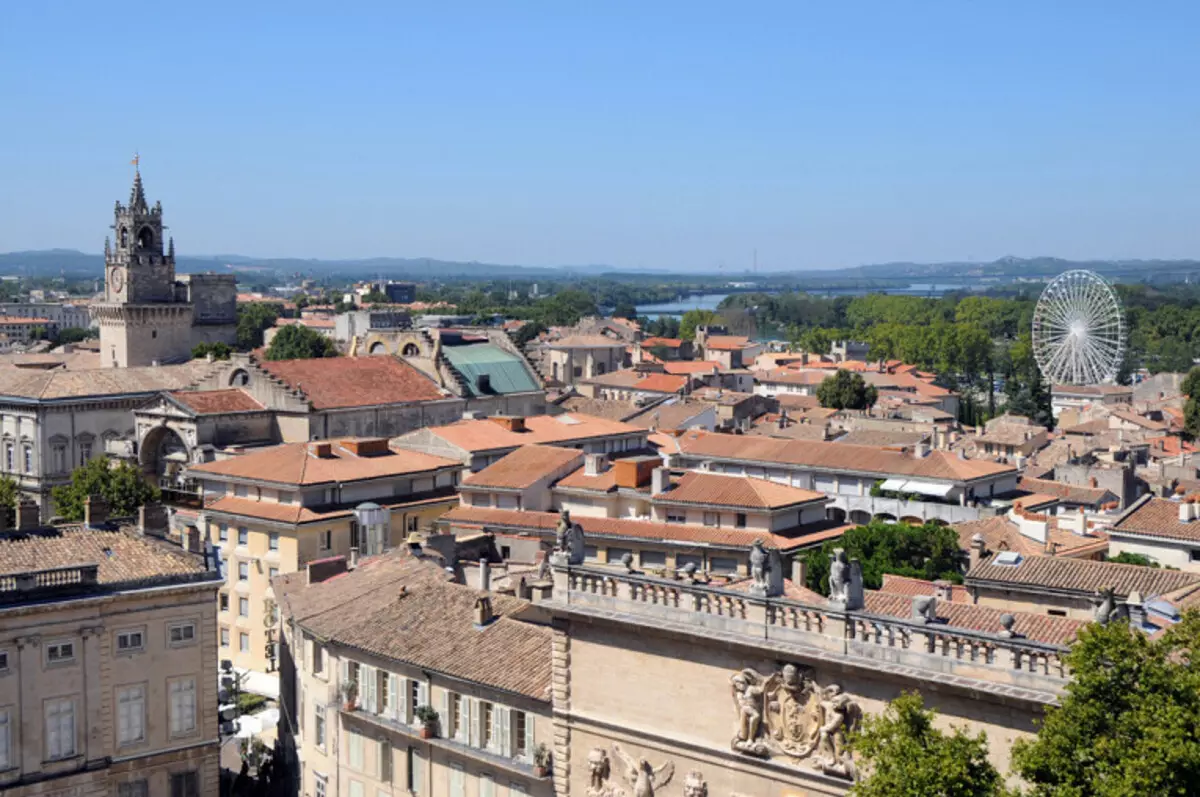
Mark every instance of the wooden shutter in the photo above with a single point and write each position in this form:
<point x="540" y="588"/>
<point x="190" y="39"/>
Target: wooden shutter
<point x="446" y="712"/>
<point x="395" y="710"/>
<point x="506" y="723"/>
<point x="529" y="735"/>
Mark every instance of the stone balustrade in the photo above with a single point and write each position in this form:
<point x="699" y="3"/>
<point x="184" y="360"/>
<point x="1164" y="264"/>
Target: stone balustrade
<point x="930" y="646"/>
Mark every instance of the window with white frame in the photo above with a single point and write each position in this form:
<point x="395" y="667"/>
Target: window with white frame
<point x="489" y="719"/>
<point x="458" y="781"/>
<point x="319" y="727"/>
<point x="222" y="533"/>
<point x="224" y="637"/>
<point x="134" y="788"/>
<point x="522" y="726"/>
<point x="383" y="761"/>
<point x="60" y="729"/>
<point x="179" y="634"/>
<point x="318" y="659"/>
<point x="416" y="772"/>
<point x="320" y="784"/>
<point x="244" y="642"/>
<point x="223" y="601"/>
<point x="354" y="750"/>
<point x="130" y="640"/>
<point x="5" y="740"/>
<point x="185" y="784"/>
<point x="183" y="706"/>
<point x="85" y="454"/>
<point x="28" y="452"/>
<point x="273" y="541"/>
<point x="131" y="714"/>
<point x="243" y="607"/>
<point x="243" y="571"/>
<point x="325" y="540"/>
<point x="61" y="652"/>
<point x="243" y="536"/>
<point x="356" y="789"/>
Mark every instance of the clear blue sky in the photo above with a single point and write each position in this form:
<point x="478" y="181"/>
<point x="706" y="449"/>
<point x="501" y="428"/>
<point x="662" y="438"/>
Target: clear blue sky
<point x="667" y="134"/>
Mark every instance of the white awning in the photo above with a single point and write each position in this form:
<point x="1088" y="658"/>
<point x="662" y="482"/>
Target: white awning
<point x="928" y="488"/>
<point x="895" y="485"/>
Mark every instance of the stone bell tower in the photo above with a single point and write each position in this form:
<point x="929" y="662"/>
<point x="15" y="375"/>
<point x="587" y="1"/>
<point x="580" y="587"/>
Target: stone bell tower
<point x="145" y="318"/>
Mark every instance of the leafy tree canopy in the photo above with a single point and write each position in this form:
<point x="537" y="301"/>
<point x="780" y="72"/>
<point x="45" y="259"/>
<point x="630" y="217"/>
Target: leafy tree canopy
<point x="903" y="755"/>
<point x="1128" y="722"/>
<point x="76" y="334"/>
<point x="697" y="318"/>
<point x="123" y="486"/>
<point x="846" y="391"/>
<point x="929" y="552"/>
<point x="298" y="342"/>
<point x="219" y="351"/>
<point x="253" y="319"/>
<point x="1127" y="558"/>
<point x="625" y="310"/>
<point x="528" y="331"/>
<point x="8" y="492"/>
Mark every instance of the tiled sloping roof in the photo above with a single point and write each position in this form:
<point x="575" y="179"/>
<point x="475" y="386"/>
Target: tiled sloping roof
<point x="1081" y="575"/>
<point x="670" y="343"/>
<point x="917" y="587"/>
<point x="1091" y="390"/>
<point x="636" y="380"/>
<point x="678" y="533"/>
<point x="1158" y="517"/>
<point x="586" y="342"/>
<point x="216" y="402"/>
<point x="579" y="480"/>
<point x="1067" y="492"/>
<point x="294" y="513"/>
<point x="840" y="457"/>
<point x="1094" y="426"/>
<point x="713" y="489"/>
<point x="670" y="415"/>
<point x="486" y="435"/>
<point x="524" y="467"/>
<point x="882" y="437"/>
<point x="1037" y="627"/>
<point x="123" y="555"/>
<point x="402" y="608"/>
<point x="727" y="342"/>
<point x="1001" y="534"/>
<point x="1138" y="420"/>
<point x="296" y="464"/>
<point x="62" y="383"/>
<point x="788" y="377"/>
<point x="612" y="409"/>
<point x="16" y="319"/>
<point x="333" y="382"/>
<point x="691" y="366"/>
<point x="793" y="401"/>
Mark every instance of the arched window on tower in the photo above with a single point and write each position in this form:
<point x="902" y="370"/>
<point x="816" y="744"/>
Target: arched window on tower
<point x="123" y="237"/>
<point x="146" y="238"/>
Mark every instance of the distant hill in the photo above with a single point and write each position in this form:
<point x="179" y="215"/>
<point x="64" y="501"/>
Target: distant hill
<point x="50" y="262"/>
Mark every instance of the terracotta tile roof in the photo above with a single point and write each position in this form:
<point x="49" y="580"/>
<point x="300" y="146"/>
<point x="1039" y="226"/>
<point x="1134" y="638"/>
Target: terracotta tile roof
<point x="604" y="482"/>
<point x="217" y="402"/>
<point x="791" y="401"/>
<point x="1169" y="446"/>
<point x="839" y="457"/>
<point x="544" y="523"/>
<point x="1157" y="517"/>
<point x="296" y="514"/>
<point x="22" y="320"/>
<point x="333" y="382"/>
<point x="312" y="322"/>
<point x="525" y="467"/>
<point x="404" y="609"/>
<point x="669" y="416"/>
<point x="715" y="489"/>
<point x="1067" y="492"/>
<point x="790" y="377"/>
<point x="586" y="342"/>
<point x="632" y="379"/>
<point x="728" y="342"/>
<point x="1037" y="627"/>
<point x="906" y="383"/>
<point x="1080" y="575"/>
<point x="768" y="426"/>
<point x="918" y="587"/>
<point x="613" y="409"/>
<point x="298" y="464"/>
<point x="670" y="343"/>
<point x="486" y="435"/>
<point x="123" y="555"/>
<point x="62" y="383"/>
<point x="691" y="367"/>
<point x="791" y="591"/>
<point x="882" y="437"/>
<point x="1001" y="534"/>
<point x="1092" y="390"/>
<point x="1137" y="420"/>
<point x="1094" y="426"/>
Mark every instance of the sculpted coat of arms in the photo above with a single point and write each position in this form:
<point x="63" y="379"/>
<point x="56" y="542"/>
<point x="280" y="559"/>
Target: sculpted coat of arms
<point x="788" y="714"/>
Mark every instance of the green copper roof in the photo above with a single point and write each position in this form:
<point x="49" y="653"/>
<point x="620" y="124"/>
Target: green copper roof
<point x="506" y="373"/>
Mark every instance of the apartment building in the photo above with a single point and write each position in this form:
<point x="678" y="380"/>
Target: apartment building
<point x="1168" y="532"/>
<point x="370" y="651"/>
<point x="272" y="511"/>
<point x="108" y="661"/>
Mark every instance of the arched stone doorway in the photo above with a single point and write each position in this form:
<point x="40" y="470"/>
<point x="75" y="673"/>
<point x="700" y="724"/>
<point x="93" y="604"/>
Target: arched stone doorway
<point x="378" y="348"/>
<point x="410" y="350"/>
<point x="912" y="520"/>
<point x="836" y="514"/>
<point x="163" y="456"/>
<point x="861" y="517"/>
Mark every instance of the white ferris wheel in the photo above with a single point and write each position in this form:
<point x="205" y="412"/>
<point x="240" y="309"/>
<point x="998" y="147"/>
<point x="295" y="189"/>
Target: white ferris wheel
<point x="1079" y="330"/>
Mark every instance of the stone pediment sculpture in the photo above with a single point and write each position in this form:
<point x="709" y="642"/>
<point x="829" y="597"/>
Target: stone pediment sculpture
<point x="694" y="785"/>
<point x="788" y="715"/>
<point x="1106" y="607"/>
<point x="598" y="773"/>
<point x="845" y="581"/>
<point x="568" y="542"/>
<point x="643" y="778"/>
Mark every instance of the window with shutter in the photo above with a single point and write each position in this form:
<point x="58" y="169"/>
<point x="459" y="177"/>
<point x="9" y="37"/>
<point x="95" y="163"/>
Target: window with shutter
<point x="183" y="706"/>
<point x="383" y="761"/>
<point x="529" y="742"/>
<point x="185" y="784"/>
<point x="474" y="737"/>
<point x="447" y="720"/>
<point x="131" y="714"/>
<point x="367" y="683"/>
<point x="416" y="772"/>
<point x="506" y="748"/>
<point x="356" y="789"/>
<point x="396" y="698"/>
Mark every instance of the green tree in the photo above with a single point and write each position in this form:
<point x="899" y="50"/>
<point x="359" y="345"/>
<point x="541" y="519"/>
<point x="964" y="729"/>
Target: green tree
<point x="564" y="308"/>
<point x="845" y="390"/>
<point x="39" y="333"/>
<point x="625" y="310"/>
<point x="1190" y="387"/>
<point x="253" y="319"/>
<point x="1128" y="722"/>
<point x="375" y="296"/>
<point x="123" y="486"/>
<point x="1127" y="558"/>
<point x="298" y="342"/>
<point x="219" y="351"/>
<point x="696" y="318"/>
<point x="76" y="334"/>
<point x="928" y="552"/>
<point x="8" y="493"/>
<point x="528" y="331"/>
<point x="902" y="755"/>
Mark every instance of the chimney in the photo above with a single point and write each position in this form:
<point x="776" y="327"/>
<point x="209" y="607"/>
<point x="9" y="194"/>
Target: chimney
<point x="593" y="464"/>
<point x="920" y="450"/>
<point x="513" y="423"/>
<point x="799" y="571"/>
<point x="322" y="569"/>
<point x="978" y="549"/>
<point x="95" y="511"/>
<point x="353" y="563"/>
<point x="483" y="611"/>
<point x="1185" y="511"/>
<point x="485" y="575"/>
<point x="660" y="481"/>
<point x="943" y="590"/>
<point x="28" y="515"/>
<point x="192" y="540"/>
<point x="1137" y="609"/>
<point x="322" y="450"/>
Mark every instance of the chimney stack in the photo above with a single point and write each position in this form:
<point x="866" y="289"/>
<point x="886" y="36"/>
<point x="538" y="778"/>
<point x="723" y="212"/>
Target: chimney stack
<point x="95" y="511"/>
<point x="1137" y="609"/>
<point x="920" y="450"/>
<point x="1185" y="511"/>
<point x="593" y="464"/>
<point x="28" y="515"/>
<point x="660" y="481"/>
<point x="799" y="571"/>
<point x="483" y="611"/>
<point x="485" y="574"/>
<point x="978" y="548"/>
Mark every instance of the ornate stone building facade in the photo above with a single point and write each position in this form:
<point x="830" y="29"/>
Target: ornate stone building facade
<point x="148" y="316"/>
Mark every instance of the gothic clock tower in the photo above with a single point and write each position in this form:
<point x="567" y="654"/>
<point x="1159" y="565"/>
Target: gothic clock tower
<point x="145" y="318"/>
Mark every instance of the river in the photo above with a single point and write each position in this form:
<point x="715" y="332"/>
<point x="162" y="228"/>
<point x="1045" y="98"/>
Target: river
<point x="709" y="301"/>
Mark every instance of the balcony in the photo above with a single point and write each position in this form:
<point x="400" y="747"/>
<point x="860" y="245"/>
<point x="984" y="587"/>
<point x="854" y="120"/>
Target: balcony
<point x="869" y="506"/>
<point x="992" y="662"/>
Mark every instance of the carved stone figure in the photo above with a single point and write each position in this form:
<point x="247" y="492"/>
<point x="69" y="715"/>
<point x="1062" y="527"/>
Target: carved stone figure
<point x="562" y="531"/>
<point x="839" y="576"/>
<point x="789" y="715"/>
<point x="643" y="778"/>
<point x="598" y="770"/>
<point x="839" y="715"/>
<point x="694" y="785"/>
<point x="759" y="568"/>
<point x="1107" y="609"/>
<point x="924" y="609"/>
<point x="568" y="541"/>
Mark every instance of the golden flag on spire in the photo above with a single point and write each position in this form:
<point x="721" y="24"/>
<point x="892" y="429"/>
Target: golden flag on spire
<point x="136" y="159"/>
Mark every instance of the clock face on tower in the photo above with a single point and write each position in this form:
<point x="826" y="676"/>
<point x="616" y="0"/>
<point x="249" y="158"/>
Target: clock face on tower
<point x="116" y="279"/>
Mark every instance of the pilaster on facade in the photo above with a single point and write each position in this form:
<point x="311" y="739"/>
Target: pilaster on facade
<point x="561" y="706"/>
